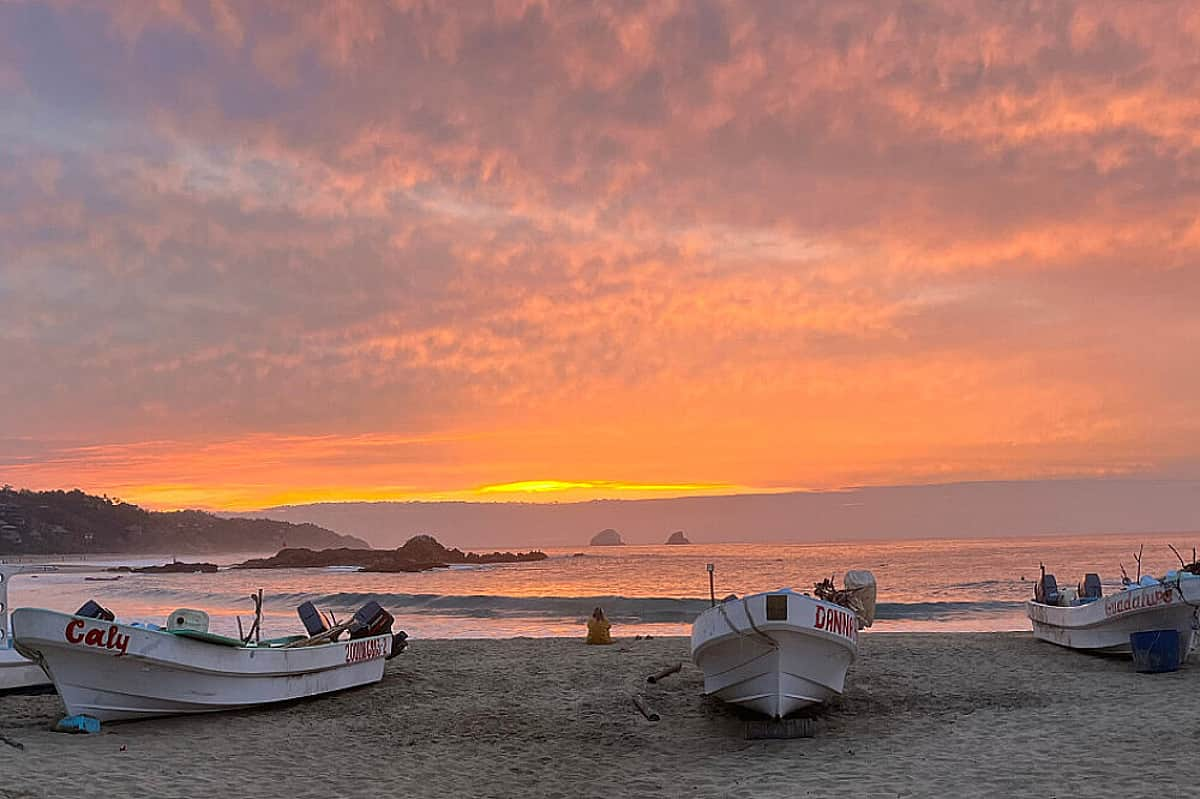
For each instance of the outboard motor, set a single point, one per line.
(314, 622)
(94, 610)
(1046, 590)
(862, 583)
(1089, 589)
(371, 619)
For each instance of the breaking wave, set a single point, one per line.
(626, 610)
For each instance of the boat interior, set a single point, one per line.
(1047, 591)
(369, 620)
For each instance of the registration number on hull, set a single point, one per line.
(370, 649)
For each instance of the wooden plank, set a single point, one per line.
(781, 728)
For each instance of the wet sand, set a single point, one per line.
(924, 715)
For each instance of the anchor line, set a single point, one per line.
(737, 631)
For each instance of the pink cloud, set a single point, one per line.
(763, 245)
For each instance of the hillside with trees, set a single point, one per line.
(65, 522)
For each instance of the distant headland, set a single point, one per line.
(71, 522)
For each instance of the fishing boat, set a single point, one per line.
(121, 672)
(781, 651)
(1082, 617)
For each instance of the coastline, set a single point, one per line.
(924, 714)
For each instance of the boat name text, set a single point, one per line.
(835, 621)
(1136, 600)
(370, 649)
(112, 638)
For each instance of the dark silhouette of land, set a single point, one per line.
(65, 522)
(419, 553)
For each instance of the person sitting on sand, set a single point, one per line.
(598, 628)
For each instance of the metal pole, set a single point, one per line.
(712, 589)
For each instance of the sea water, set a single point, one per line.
(929, 585)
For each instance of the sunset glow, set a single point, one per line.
(256, 254)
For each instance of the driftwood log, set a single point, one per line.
(642, 706)
(667, 672)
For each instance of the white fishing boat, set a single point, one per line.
(119, 672)
(781, 651)
(1084, 618)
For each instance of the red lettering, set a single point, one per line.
(112, 638)
(358, 651)
(820, 625)
(72, 636)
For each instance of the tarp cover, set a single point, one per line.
(862, 583)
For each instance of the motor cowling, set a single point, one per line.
(862, 584)
(371, 619)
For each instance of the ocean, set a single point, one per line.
(931, 585)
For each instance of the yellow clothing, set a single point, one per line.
(598, 631)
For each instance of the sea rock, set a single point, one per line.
(419, 553)
(678, 537)
(176, 567)
(607, 538)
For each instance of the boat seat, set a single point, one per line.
(1046, 590)
(314, 622)
(94, 610)
(1089, 589)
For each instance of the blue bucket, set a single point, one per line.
(1155, 651)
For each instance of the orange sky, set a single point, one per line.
(549, 251)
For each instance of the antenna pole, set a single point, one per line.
(712, 587)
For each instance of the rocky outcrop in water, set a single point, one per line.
(176, 567)
(607, 538)
(678, 537)
(419, 553)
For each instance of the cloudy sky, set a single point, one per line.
(254, 253)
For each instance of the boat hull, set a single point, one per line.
(117, 672)
(1106, 624)
(19, 673)
(775, 666)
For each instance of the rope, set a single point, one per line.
(738, 631)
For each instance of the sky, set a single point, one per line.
(264, 253)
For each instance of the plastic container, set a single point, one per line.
(188, 619)
(1155, 651)
(78, 724)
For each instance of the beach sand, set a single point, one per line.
(924, 715)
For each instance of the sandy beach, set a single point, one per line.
(925, 715)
